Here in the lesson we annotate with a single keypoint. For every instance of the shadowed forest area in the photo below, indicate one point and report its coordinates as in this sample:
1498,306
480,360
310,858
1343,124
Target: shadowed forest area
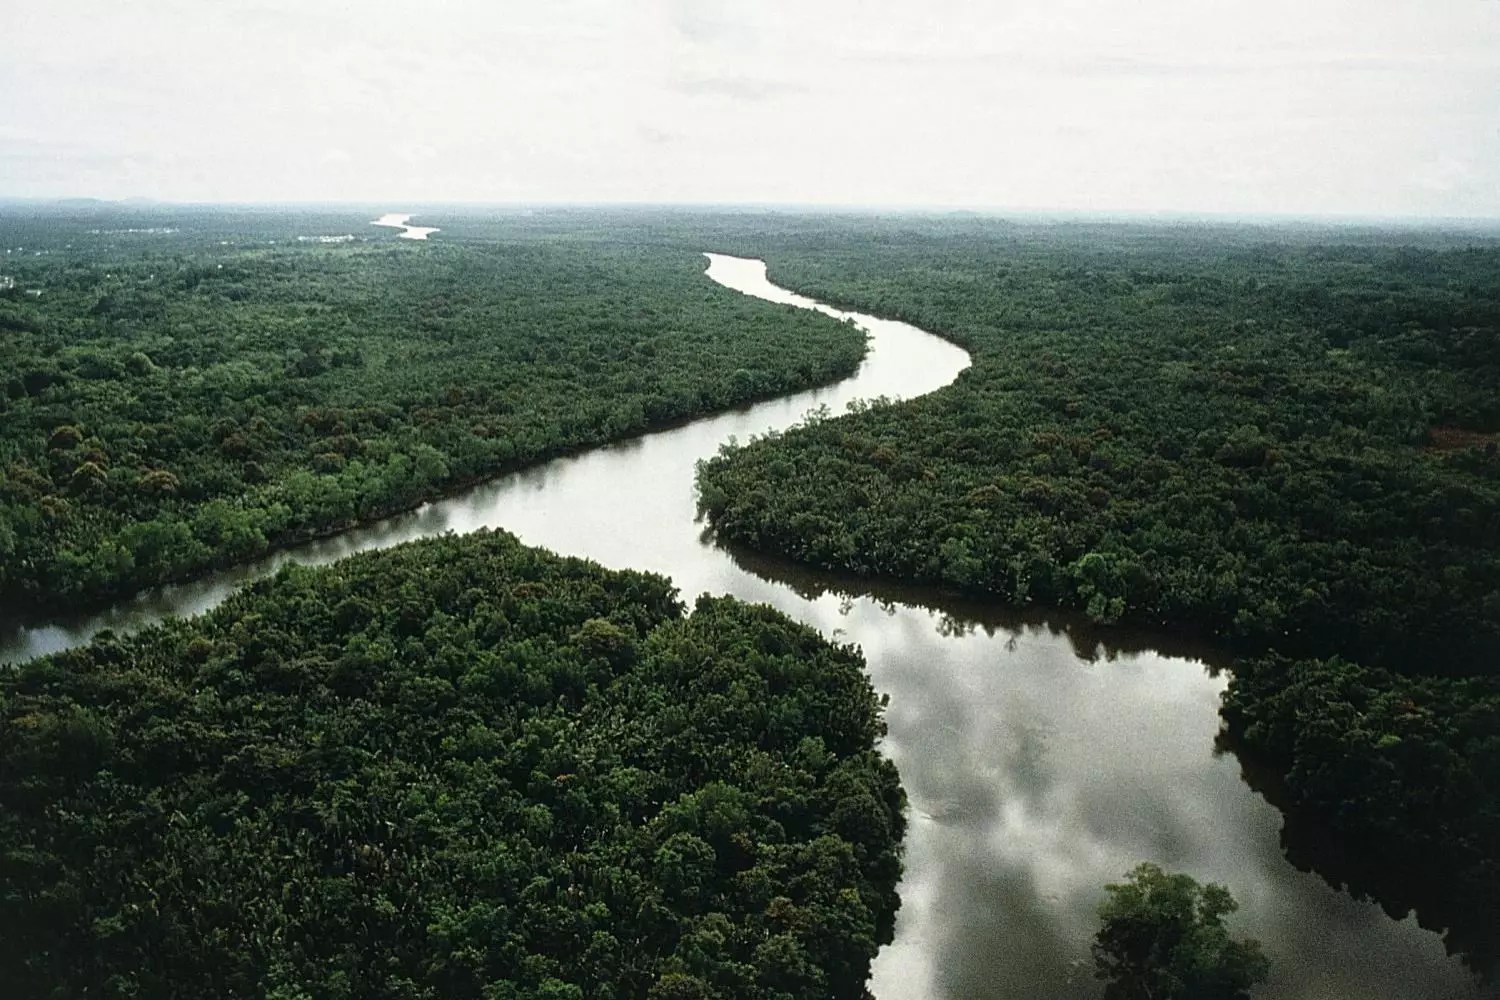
1284,440
458,768
184,392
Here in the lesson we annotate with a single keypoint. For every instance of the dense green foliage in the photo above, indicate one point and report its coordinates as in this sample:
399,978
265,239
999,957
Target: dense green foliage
1164,938
1390,783
458,768
1283,440
463,765
1166,429
170,404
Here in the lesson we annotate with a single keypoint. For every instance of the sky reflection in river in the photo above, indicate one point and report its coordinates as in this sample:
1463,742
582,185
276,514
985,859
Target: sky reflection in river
1035,777
1035,774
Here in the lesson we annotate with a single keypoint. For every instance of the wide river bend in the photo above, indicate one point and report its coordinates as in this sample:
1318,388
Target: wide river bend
1039,764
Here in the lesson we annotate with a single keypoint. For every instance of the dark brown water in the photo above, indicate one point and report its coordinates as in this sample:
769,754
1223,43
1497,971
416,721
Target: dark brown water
1040,763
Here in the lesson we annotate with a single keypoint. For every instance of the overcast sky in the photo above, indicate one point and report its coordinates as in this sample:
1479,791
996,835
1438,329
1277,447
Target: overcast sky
1387,107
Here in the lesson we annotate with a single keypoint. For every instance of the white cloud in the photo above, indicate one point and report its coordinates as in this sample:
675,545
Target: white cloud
1376,106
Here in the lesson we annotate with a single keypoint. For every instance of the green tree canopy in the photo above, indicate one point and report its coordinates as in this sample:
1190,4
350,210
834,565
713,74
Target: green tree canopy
184,404
1164,938
458,769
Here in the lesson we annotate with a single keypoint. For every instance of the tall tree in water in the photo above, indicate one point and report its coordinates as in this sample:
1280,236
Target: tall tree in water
1164,938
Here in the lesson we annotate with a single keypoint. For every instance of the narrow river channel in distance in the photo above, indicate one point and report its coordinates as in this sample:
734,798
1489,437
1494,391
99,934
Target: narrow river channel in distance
1040,763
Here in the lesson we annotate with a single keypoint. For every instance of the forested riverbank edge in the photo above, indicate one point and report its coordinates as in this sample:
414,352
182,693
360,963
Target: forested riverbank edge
177,404
501,771
1203,406
691,236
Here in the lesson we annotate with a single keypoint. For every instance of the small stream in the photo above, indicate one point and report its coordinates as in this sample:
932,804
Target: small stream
1041,762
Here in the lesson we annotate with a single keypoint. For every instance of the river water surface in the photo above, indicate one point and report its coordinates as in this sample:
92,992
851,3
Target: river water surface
398,220
1039,763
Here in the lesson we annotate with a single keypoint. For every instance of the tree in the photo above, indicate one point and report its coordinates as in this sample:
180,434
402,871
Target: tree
1164,938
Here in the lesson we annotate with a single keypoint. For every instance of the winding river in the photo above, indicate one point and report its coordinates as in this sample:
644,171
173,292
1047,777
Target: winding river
1040,762
399,221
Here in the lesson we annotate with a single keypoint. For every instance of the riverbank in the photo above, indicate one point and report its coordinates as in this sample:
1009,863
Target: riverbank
294,391
1039,765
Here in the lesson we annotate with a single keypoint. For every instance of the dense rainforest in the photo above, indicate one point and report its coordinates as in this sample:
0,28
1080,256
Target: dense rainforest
458,768
180,392
524,774
1282,440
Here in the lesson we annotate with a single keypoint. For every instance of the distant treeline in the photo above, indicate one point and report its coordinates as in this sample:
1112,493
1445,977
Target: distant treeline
1285,444
461,768
169,404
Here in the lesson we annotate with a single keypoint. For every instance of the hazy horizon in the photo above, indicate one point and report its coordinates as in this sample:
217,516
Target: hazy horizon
1382,109
999,212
